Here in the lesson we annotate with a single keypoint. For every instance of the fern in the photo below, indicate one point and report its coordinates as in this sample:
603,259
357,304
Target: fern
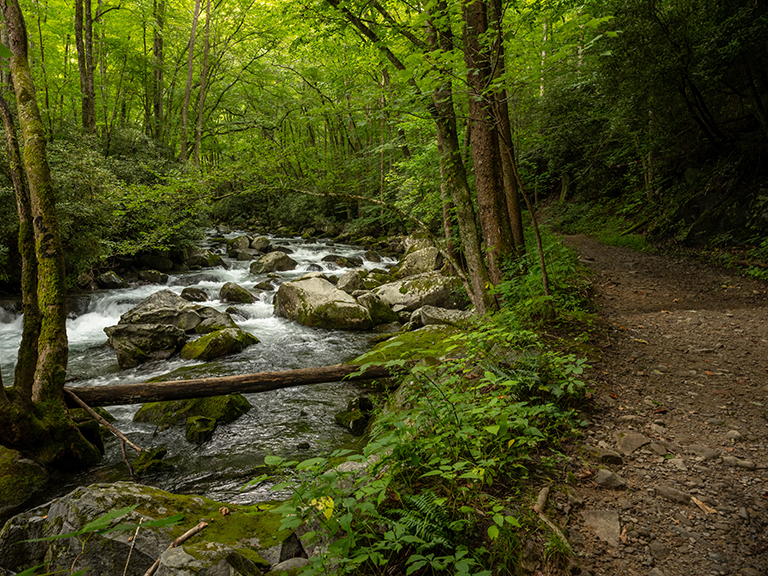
424,517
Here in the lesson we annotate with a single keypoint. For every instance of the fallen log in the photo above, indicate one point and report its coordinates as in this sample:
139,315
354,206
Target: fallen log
216,386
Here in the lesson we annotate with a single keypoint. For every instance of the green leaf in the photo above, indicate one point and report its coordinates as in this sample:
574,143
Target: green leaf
493,532
494,429
5,52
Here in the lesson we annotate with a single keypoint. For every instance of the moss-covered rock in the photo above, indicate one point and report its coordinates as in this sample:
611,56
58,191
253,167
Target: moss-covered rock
232,292
151,462
232,542
200,429
276,261
430,341
20,478
380,312
218,344
314,301
220,408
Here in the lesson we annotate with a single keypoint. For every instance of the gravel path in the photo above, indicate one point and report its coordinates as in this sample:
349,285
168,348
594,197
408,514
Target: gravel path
672,476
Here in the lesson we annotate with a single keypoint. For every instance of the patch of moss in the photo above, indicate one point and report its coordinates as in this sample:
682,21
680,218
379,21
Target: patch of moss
19,479
221,408
217,344
421,343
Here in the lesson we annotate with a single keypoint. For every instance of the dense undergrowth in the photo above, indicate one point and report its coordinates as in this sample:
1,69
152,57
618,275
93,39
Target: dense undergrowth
445,485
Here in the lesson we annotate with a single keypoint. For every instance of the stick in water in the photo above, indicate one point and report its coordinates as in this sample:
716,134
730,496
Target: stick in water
101,420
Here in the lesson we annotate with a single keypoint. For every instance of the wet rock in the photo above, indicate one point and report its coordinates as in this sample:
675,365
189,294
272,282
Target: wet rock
318,303
151,462
199,429
420,261
232,292
262,244
193,294
153,276
273,262
204,259
110,280
217,344
351,281
379,311
222,409
136,344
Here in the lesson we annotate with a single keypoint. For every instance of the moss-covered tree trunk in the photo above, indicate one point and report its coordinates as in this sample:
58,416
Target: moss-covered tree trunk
33,415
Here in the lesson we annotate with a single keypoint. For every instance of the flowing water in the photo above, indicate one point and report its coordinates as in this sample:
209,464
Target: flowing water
281,422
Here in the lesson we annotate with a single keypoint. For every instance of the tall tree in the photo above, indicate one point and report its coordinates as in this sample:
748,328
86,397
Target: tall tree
188,90
33,415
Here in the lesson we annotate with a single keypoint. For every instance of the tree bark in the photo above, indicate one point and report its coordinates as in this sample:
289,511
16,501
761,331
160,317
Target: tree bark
203,78
206,387
39,425
157,85
486,156
84,44
188,90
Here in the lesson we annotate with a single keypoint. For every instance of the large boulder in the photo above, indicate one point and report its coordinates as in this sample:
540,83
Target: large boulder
380,312
213,320
153,276
164,307
204,259
420,261
110,280
351,281
429,315
218,344
273,262
222,409
261,244
234,542
232,292
430,288
316,302
20,478
159,262
139,343
239,243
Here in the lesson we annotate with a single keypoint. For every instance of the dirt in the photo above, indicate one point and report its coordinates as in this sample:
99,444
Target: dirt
672,475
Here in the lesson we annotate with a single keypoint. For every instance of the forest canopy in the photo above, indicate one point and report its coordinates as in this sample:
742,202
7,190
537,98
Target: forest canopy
162,116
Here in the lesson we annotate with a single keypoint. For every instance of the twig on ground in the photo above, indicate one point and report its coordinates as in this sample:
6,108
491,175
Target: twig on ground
181,539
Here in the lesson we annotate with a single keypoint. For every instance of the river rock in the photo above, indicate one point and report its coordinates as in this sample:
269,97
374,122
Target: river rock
217,344
379,311
433,315
153,276
204,259
261,244
232,292
430,288
420,261
164,307
318,303
273,262
222,409
194,294
110,280
351,281
239,243
213,320
336,261
227,546
136,344
372,256
199,429
20,478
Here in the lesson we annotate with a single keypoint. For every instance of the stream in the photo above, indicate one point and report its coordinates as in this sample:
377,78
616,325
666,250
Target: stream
281,422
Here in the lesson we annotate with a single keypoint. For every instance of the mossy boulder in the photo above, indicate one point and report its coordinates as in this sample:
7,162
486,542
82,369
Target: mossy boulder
199,258
273,262
110,280
232,292
420,261
430,288
151,462
222,409
380,312
218,344
316,302
136,344
351,281
236,540
199,429
430,341
20,478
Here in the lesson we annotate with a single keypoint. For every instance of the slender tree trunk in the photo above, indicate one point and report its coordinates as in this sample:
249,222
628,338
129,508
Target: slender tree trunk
39,425
157,87
203,77
491,198
188,90
84,44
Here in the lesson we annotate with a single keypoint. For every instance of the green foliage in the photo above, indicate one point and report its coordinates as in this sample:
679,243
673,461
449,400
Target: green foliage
434,490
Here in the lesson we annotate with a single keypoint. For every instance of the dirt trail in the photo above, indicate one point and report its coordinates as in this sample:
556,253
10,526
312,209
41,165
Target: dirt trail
673,473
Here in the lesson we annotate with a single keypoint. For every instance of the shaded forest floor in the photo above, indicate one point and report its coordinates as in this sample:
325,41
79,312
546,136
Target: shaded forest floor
674,466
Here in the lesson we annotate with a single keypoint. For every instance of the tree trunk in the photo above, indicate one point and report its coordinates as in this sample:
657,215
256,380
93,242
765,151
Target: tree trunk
35,421
188,90
84,44
203,77
157,86
486,157
206,387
